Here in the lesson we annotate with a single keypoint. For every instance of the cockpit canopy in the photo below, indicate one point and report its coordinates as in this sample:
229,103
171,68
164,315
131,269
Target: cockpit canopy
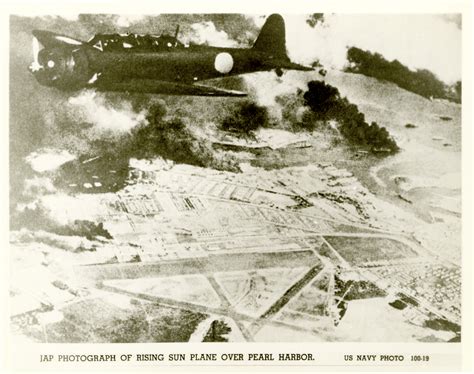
123,42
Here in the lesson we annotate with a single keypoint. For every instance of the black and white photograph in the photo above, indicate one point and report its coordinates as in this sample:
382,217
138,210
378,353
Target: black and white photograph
211,177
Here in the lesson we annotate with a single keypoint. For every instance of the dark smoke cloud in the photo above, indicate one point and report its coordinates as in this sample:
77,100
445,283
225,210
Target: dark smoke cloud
171,137
246,117
37,217
327,104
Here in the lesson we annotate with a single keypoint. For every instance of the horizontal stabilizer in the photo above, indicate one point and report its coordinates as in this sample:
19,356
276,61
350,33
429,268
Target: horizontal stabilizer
293,66
164,87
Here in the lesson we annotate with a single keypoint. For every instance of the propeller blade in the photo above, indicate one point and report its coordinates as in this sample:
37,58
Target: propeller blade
35,66
36,49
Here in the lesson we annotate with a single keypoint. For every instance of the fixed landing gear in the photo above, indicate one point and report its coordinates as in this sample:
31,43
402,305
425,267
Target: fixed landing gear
279,72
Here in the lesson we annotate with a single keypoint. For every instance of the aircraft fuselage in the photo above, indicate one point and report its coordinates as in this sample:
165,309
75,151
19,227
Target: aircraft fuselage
196,63
152,64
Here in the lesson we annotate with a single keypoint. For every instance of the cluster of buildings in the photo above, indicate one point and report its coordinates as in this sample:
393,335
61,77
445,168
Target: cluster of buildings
438,284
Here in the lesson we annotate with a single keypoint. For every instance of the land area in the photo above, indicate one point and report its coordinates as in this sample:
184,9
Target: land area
298,249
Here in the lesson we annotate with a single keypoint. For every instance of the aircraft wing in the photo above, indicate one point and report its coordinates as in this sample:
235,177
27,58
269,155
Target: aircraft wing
52,40
163,87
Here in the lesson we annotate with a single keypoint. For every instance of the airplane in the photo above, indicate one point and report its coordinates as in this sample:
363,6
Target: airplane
154,64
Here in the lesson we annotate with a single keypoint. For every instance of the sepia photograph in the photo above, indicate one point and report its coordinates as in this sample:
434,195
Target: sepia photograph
211,177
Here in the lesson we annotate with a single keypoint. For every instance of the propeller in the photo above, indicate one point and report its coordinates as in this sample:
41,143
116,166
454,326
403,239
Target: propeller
35,66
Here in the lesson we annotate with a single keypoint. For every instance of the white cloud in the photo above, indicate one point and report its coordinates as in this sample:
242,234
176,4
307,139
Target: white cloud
266,86
65,209
125,20
97,111
38,186
206,33
417,41
48,159
69,16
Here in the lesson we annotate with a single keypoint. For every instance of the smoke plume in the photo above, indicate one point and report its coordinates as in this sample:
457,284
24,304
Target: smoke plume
93,108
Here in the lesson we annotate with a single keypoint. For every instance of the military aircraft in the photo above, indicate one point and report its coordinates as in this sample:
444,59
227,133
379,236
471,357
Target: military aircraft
154,64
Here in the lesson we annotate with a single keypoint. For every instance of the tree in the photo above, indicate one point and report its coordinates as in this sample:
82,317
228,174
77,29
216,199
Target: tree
422,82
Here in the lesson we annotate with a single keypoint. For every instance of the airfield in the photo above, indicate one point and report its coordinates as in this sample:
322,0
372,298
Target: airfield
296,254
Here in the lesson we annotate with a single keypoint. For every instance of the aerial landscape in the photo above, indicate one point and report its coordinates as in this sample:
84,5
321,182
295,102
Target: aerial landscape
312,200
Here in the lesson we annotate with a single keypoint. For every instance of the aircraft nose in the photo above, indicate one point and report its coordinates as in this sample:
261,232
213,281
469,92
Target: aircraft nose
50,60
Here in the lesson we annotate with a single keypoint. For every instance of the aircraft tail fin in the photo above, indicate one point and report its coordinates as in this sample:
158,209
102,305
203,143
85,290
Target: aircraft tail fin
271,39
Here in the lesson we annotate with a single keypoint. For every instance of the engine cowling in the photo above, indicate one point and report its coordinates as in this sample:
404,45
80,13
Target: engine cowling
63,68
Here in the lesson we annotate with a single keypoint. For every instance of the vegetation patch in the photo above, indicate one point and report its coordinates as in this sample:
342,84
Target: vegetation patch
96,321
422,82
359,251
217,332
441,324
357,289
398,304
407,299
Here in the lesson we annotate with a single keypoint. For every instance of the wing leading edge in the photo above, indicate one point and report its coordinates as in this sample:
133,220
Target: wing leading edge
163,87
